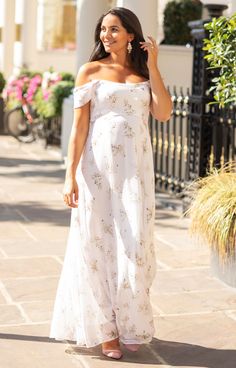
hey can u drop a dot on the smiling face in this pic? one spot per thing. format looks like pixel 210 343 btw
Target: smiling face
pixel 113 35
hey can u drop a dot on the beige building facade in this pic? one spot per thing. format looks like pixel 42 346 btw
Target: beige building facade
pixel 31 31
pixel 26 28
pixel 58 34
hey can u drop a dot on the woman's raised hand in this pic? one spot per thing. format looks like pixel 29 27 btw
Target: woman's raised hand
pixel 152 50
pixel 71 193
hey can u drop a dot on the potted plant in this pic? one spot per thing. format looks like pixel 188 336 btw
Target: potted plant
pixel 213 218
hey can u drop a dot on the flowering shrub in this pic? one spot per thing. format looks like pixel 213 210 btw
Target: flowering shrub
pixel 25 84
pixel 34 84
pixel 49 98
pixel 43 92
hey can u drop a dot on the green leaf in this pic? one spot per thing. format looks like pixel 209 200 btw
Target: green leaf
pixel 220 53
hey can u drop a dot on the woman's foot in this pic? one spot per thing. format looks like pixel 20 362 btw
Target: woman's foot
pixel 132 347
pixel 111 349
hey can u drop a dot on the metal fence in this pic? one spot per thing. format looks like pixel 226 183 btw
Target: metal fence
pixel 223 145
pixel 170 143
pixel 180 145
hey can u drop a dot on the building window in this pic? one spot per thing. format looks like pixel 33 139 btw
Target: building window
pixel 56 25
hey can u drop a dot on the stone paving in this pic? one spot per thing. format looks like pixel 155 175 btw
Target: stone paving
pixel 195 313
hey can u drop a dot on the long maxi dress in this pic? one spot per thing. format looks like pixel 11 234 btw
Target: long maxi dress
pixel 109 265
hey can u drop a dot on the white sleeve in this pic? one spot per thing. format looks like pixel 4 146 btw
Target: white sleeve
pixel 83 94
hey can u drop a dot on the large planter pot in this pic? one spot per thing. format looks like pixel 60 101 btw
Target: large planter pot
pixel 2 128
pixel 212 213
pixel 226 271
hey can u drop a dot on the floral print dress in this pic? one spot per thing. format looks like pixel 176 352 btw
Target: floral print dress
pixel 109 265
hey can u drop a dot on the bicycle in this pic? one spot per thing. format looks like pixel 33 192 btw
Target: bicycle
pixel 26 126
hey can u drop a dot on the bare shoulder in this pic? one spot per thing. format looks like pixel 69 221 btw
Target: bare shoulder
pixel 86 72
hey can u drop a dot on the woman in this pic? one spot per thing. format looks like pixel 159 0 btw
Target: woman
pixel 103 293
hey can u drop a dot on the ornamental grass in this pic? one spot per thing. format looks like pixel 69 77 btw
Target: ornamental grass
pixel 213 210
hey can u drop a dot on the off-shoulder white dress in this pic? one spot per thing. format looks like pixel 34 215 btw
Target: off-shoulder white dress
pixel 109 264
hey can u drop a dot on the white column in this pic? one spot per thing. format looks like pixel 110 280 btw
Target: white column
pixel 8 36
pixel 160 19
pixel 18 44
pixel 40 24
pixel 88 13
pixel 146 11
pixel 2 14
pixel 232 7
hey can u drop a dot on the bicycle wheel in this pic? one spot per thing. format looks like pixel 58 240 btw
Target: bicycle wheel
pixel 18 126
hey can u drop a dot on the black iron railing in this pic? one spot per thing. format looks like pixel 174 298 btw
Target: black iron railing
pixel 170 143
pixel 199 135
pixel 177 148
pixel 223 143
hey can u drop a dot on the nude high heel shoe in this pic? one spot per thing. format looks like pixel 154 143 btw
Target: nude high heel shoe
pixel 111 349
pixel 132 347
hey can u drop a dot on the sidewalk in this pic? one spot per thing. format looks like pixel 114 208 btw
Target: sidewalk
pixel 195 313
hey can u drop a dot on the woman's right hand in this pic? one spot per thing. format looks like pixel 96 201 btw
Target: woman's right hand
pixel 71 193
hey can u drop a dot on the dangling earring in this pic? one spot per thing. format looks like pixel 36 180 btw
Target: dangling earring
pixel 129 47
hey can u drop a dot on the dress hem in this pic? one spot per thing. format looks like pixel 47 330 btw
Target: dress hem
pixel 123 341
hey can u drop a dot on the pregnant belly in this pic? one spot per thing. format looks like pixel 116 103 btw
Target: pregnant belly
pixel 115 143
pixel 117 129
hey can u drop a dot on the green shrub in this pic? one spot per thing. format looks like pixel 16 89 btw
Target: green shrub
pixel 177 14
pixel 2 82
pixel 48 108
pixel 220 50
pixel 65 76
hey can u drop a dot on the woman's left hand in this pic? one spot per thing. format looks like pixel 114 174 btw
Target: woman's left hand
pixel 152 50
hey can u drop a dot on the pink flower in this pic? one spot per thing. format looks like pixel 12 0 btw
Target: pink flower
pixel 46 94
pixel 35 82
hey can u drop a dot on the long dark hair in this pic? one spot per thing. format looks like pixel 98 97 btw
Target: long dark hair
pixel 130 22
